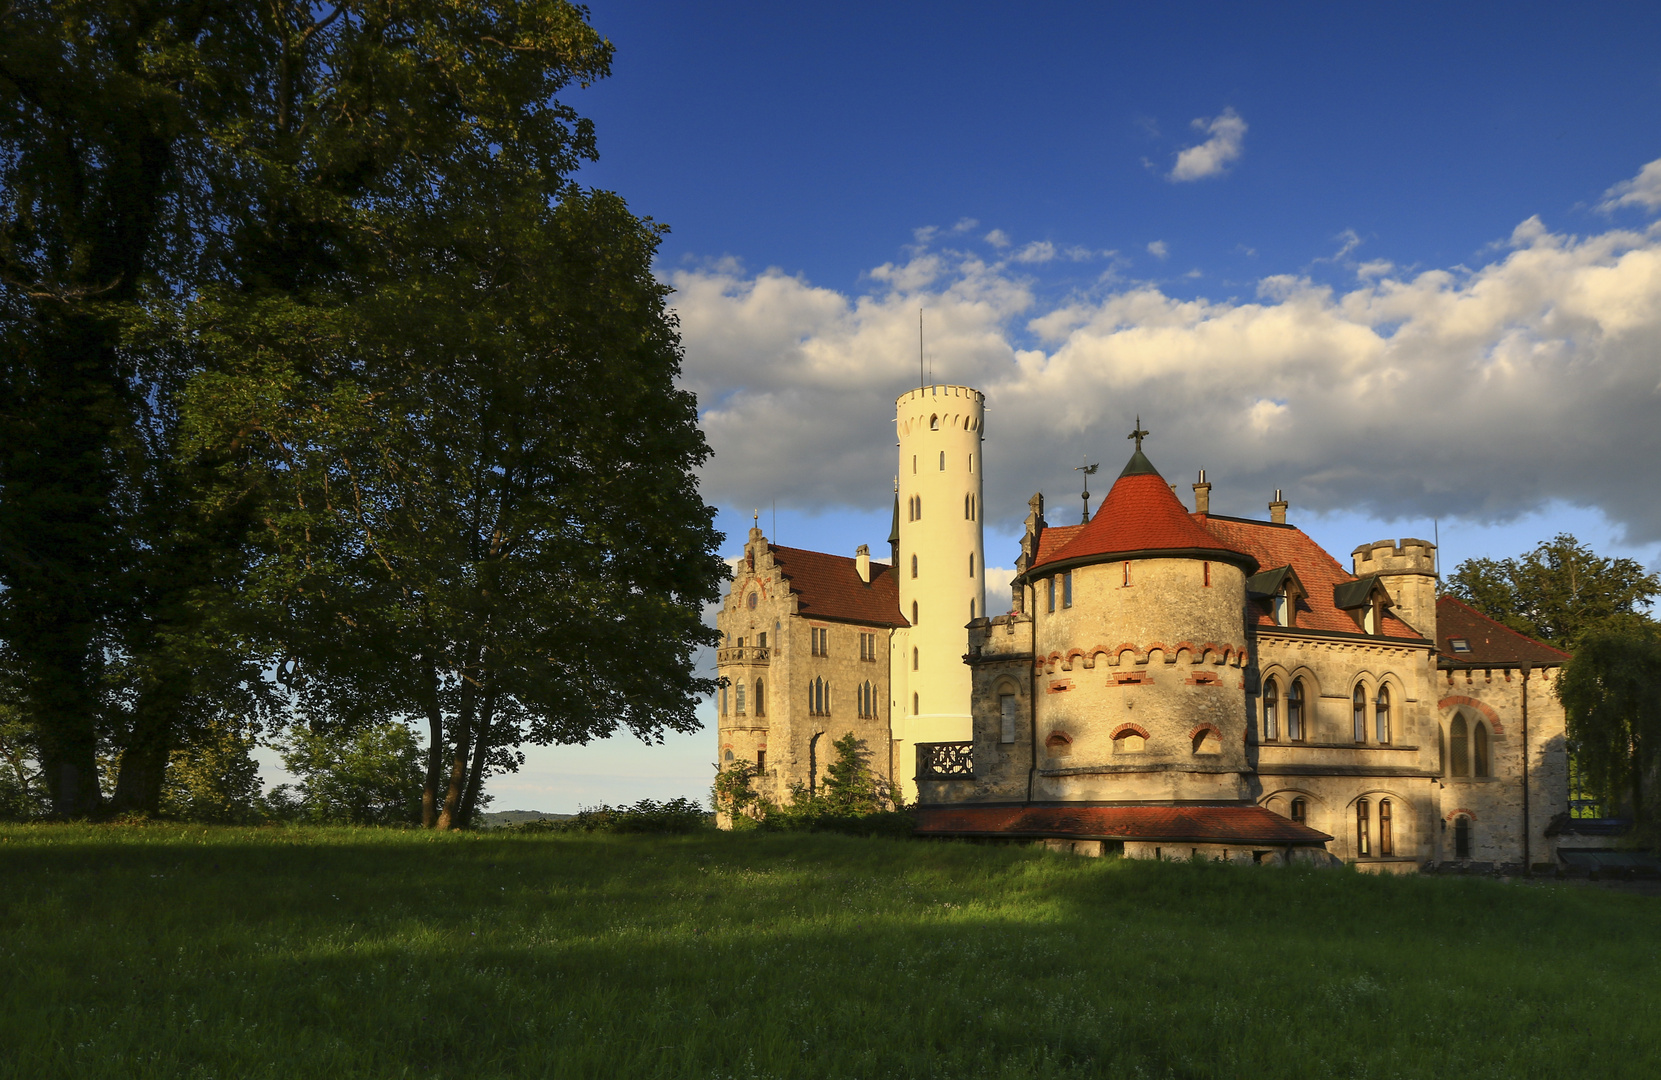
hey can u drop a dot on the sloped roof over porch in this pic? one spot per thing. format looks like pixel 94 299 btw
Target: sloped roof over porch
pixel 1243 825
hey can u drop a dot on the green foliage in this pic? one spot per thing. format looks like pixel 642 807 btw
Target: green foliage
pixel 1611 694
pixel 172 951
pixel 645 816
pixel 215 778
pixel 1556 592
pixel 852 799
pixel 22 789
pixel 733 797
pixel 370 776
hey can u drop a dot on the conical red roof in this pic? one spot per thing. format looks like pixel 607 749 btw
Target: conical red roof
pixel 1142 518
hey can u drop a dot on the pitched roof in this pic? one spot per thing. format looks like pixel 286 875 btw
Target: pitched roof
pixel 1052 539
pixel 1286 545
pixel 1490 641
pixel 1141 516
pixel 1178 824
pixel 829 587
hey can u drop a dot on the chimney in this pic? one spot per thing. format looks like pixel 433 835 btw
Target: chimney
pixel 862 562
pixel 1277 509
pixel 1202 495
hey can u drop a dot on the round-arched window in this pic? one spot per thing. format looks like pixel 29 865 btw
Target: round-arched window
pixel 754 598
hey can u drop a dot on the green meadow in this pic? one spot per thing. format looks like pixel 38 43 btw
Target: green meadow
pixel 161 951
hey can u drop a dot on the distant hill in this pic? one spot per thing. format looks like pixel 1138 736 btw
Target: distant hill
pixel 497 818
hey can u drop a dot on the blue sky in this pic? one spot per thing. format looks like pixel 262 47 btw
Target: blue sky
pixel 1400 261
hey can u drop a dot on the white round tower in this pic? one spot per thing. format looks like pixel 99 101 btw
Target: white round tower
pixel 942 573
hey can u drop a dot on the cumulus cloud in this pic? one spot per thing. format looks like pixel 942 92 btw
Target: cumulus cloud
pixel 1480 393
pixel 1642 190
pixel 1212 157
pixel 1039 251
pixel 1159 249
pixel 997 238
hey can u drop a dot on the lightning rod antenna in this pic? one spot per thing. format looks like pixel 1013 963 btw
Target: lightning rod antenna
pixel 920 383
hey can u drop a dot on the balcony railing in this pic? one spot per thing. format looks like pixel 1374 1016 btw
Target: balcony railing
pixel 743 654
pixel 945 760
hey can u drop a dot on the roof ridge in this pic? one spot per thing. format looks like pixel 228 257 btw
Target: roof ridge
pixel 1485 617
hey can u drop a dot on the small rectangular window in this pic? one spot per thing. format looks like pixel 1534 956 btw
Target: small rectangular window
pixel 1006 710
pixel 1050 586
pixel 761 640
pixel 1460 645
pixel 942 461
pixel 1067 589
pixel 761 761
pixel 1127 574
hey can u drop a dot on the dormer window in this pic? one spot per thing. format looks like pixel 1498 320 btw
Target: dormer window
pixel 1283 610
pixel 1282 590
pixel 1460 645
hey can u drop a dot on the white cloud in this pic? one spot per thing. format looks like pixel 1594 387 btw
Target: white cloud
pixel 1159 249
pixel 964 225
pixel 1039 251
pixel 1481 392
pixel 1212 157
pixel 1642 190
pixel 997 238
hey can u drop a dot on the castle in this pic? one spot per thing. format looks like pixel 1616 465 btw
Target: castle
pixel 1167 683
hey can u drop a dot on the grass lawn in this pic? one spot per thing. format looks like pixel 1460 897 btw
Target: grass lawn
pixel 190 952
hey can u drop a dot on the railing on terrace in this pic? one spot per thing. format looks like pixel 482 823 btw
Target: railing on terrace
pixel 945 760
pixel 743 654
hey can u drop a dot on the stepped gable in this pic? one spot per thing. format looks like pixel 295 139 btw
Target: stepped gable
pixel 1176 824
pixel 1489 642
pixel 1142 518
pixel 1275 546
pixel 829 587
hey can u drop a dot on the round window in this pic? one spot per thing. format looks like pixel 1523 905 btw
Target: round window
pixel 753 598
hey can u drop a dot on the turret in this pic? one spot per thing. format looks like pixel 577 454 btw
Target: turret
pixel 1407 568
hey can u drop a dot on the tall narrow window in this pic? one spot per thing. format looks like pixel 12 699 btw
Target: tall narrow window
pixel 1461 837
pixel 1271 710
pixel 723 701
pixel 761 761
pixel 971 564
pixel 914 566
pixel 1049 584
pixel 738 704
pixel 1381 726
pixel 1386 834
pixel 914 613
pixel 967 514
pixel 1360 710
pixel 1459 748
pixel 1479 750
pixel 942 461
pixel 916 710
pixel 914 658
pixel 971 611
pixel 919 501
pixel 1067 589
pixel 1205 570
pixel 1294 711
pixel 761 698
pixel 1006 713
pixel 1363 842
pixel 1127 574
pixel 1283 609
pixel 1300 811
pixel 913 463
pixel 971 463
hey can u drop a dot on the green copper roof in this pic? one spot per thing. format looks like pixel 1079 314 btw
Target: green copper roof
pixel 1139 465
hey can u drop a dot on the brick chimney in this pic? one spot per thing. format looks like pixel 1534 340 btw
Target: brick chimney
pixel 1277 509
pixel 1202 495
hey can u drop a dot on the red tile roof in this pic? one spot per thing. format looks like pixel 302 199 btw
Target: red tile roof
pixel 1274 546
pixel 1491 642
pixel 828 587
pixel 1052 539
pixel 1185 824
pixel 1140 514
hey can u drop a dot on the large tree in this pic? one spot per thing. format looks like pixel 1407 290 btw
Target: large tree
pixel 1555 592
pixel 1611 693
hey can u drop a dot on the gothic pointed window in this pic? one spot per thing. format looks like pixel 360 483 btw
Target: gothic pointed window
pixel 1360 709
pixel 1386 835
pixel 761 698
pixel 1479 750
pixel 914 566
pixel 942 461
pixel 1363 841
pixel 914 613
pixel 738 702
pixel 1271 710
pixel 1381 722
pixel 971 564
pixel 1459 747
pixel 914 658
pixel 1294 711
pixel 916 710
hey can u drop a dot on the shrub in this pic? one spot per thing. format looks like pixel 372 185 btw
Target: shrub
pixel 645 816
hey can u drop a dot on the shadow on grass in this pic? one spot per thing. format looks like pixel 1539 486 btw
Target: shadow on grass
pixel 366 953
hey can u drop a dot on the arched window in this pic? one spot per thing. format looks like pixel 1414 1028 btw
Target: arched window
pixel 934 423
pixel 738 702
pixel 1459 747
pixel 914 613
pixel 1360 711
pixel 914 658
pixel 1271 710
pixel 1479 750
pixel 1386 835
pixel 1461 837
pixel 918 499
pixel 1129 742
pixel 942 461
pixel 754 597
pixel 1363 841
pixel 914 566
pixel 729 755
pixel 1294 711
pixel 1300 811
pixel 761 698
pixel 723 701
pixel 916 710
pixel 1381 728
pixel 971 564
pixel 1205 572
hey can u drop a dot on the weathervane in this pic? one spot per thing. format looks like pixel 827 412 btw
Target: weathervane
pixel 1138 434
pixel 1089 470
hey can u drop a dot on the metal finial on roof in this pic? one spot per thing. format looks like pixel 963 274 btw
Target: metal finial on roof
pixel 1138 434
pixel 1088 470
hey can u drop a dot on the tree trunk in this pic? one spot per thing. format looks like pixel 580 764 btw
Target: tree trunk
pixel 143 769
pixel 61 702
pixel 475 775
pixel 450 816
pixel 435 743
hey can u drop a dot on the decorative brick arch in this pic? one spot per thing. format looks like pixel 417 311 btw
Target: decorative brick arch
pixel 1462 811
pixel 1213 728
pixel 1482 707
pixel 1129 729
